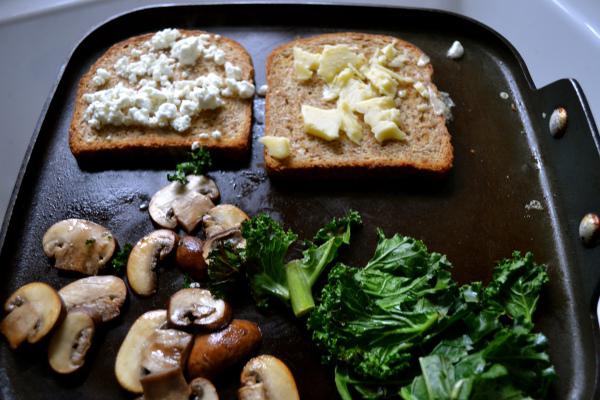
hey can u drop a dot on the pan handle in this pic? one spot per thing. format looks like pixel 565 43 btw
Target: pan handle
pixel 571 167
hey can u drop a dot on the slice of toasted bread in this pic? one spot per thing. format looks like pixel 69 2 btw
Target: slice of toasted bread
pixel 233 119
pixel 428 147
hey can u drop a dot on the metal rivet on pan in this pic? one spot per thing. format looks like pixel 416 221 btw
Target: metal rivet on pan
pixel 589 228
pixel 558 122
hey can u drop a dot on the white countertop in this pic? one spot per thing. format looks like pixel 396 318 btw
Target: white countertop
pixel 556 38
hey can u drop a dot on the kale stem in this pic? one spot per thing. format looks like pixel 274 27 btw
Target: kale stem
pixel 300 289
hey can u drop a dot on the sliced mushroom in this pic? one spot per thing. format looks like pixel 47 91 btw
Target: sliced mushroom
pixel 79 245
pixel 70 343
pixel 166 349
pixel 214 352
pixel 101 297
pixel 267 378
pixel 190 209
pixel 189 257
pixel 128 365
pixel 230 236
pixel 33 310
pixel 144 258
pixel 165 385
pixel 223 217
pixel 162 204
pixel 197 309
pixel 203 389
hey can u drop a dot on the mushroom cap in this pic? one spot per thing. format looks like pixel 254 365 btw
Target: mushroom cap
pixel 214 352
pixel 79 245
pixel 33 310
pixel 189 257
pixel 203 389
pixel 267 378
pixel 144 258
pixel 169 384
pixel 70 343
pixel 190 209
pixel 101 297
pixel 222 218
pixel 198 309
pixel 128 364
pixel 162 204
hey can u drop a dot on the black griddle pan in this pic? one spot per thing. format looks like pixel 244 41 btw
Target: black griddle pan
pixel 505 157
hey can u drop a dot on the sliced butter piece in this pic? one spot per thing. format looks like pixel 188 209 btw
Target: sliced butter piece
pixel 304 63
pixel 405 80
pixel 350 123
pixel 355 92
pixel 336 58
pixel 422 89
pixel 278 147
pixel 376 103
pixel 331 92
pixel 382 81
pixel 324 124
pixel 375 116
pixel 388 130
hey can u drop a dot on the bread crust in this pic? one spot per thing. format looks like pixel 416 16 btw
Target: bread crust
pixel 145 141
pixel 359 164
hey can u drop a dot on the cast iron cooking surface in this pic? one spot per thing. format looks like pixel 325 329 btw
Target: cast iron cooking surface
pixel 478 214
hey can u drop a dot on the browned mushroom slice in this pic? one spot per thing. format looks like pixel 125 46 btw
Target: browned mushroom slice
pixel 33 310
pixel 165 349
pixel 79 245
pixel 203 389
pixel 144 258
pixel 223 217
pixel 189 257
pixel 214 352
pixel 267 378
pixel 101 297
pixel 232 237
pixel 197 309
pixel 70 342
pixel 162 203
pixel 169 384
pixel 128 365
pixel 190 209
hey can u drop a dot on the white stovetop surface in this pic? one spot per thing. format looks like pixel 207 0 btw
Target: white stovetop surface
pixel 557 39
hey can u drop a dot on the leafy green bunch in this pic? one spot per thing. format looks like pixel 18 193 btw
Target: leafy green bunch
pixel 401 326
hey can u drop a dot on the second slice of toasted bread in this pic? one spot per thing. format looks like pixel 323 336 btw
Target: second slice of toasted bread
pixel 427 148
pixel 233 119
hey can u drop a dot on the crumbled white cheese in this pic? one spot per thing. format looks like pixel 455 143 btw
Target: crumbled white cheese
pixel 194 285
pixel 203 135
pixel 164 39
pixel 187 50
pixel 216 134
pixel 262 90
pixel 423 60
pixel 455 51
pixel 233 72
pixel 195 145
pixel 154 98
pixel 158 67
pixel 100 77
pixel 243 89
